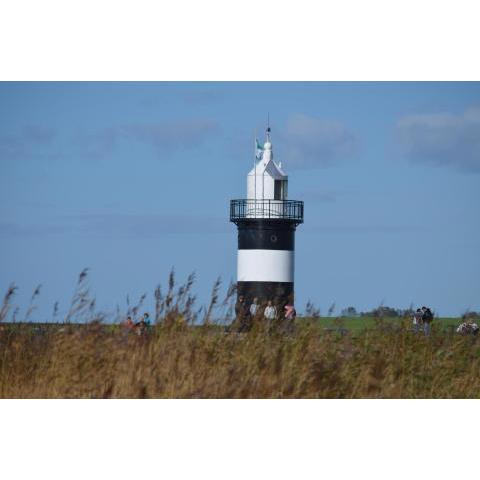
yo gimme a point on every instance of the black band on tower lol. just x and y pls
(266, 235)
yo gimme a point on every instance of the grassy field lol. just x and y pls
(188, 354)
(175, 360)
(356, 324)
(353, 324)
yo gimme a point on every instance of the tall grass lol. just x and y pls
(186, 354)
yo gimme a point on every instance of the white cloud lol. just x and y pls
(312, 142)
(27, 142)
(161, 136)
(442, 139)
(172, 135)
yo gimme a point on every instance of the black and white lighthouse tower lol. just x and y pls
(266, 222)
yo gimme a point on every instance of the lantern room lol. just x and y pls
(267, 180)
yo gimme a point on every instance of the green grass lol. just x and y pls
(352, 324)
(357, 324)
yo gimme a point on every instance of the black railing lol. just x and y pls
(245, 209)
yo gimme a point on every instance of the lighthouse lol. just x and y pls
(266, 222)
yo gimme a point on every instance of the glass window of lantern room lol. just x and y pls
(280, 190)
(277, 193)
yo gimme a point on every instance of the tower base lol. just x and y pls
(280, 293)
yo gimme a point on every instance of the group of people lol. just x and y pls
(422, 320)
(140, 327)
(246, 314)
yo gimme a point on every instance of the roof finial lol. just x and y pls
(268, 127)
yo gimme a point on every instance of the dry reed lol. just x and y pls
(187, 356)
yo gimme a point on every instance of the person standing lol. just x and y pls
(290, 312)
(427, 319)
(141, 326)
(254, 307)
(270, 314)
(128, 324)
(241, 313)
(239, 306)
(290, 315)
(417, 320)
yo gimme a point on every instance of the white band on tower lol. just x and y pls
(265, 266)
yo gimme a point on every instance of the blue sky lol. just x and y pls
(130, 179)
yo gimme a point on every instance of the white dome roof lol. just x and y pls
(267, 146)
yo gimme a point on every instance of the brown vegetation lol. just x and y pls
(180, 361)
(185, 356)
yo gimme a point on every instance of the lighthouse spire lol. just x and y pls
(268, 127)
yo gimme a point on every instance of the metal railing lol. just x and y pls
(244, 209)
